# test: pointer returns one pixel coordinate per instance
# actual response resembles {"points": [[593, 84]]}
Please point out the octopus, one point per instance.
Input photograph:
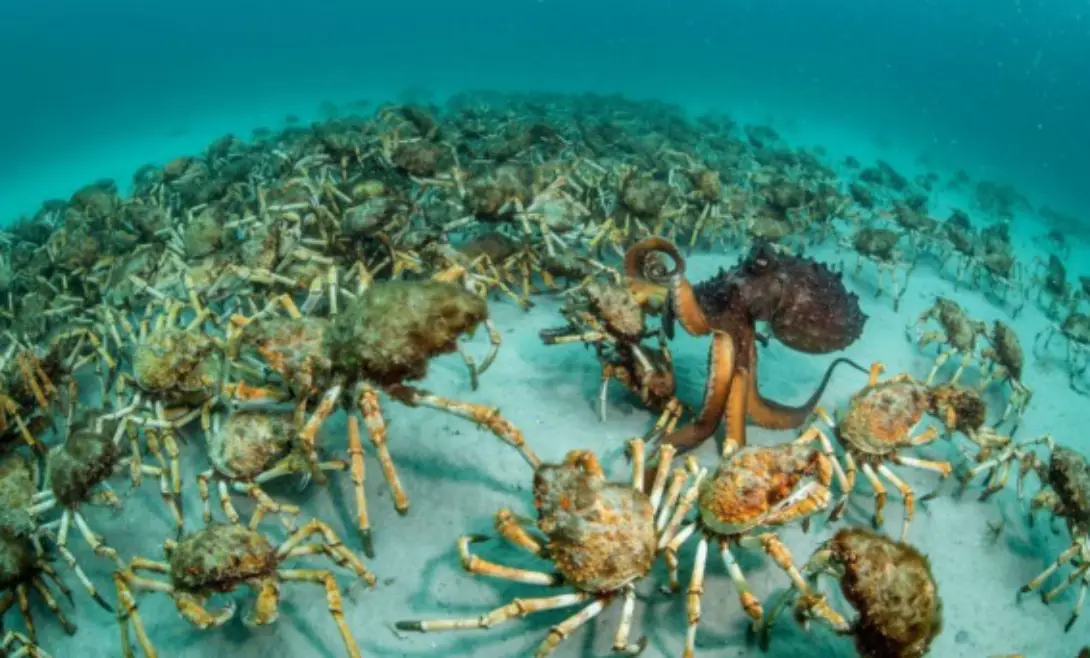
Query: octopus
{"points": [[804, 303]]}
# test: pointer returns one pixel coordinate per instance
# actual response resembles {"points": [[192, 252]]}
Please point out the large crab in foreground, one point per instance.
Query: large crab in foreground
{"points": [[805, 305], [601, 536], [880, 422], [889, 584], [223, 556], [752, 492], [383, 339]]}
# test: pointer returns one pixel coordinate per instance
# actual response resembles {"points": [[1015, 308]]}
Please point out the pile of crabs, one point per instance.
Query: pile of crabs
{"points": [[237, 300]]}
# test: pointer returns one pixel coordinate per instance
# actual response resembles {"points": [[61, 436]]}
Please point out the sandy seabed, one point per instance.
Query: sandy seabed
{"points": [[457, 477]]}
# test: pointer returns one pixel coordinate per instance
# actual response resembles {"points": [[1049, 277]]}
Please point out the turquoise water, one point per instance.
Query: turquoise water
{"points": [[997, 88], [997, 91]]}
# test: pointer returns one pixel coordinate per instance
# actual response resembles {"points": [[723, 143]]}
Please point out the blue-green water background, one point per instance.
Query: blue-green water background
{"points": [[999, 87]]}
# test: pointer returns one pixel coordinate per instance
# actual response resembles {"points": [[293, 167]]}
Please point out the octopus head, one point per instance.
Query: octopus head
{"points": [[805, 303]]}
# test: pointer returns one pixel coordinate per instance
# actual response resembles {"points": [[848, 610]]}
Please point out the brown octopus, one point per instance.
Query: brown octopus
{"points": [[804, 303]]}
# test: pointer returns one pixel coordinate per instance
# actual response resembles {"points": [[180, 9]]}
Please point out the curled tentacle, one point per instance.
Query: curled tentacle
{"points": [[684, 306]]}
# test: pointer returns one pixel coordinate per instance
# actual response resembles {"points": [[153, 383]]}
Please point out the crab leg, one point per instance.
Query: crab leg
{"points": [[749, 602], [511, 528], [358, 471], [513, 610], [308, 436], [76, 569], [670, 555], [128, 614], [51, 603], [907, 494], [478, 566], [561, 631], [376, 426], [487, 417], [879, 493], [334, 600], [621, 639]]}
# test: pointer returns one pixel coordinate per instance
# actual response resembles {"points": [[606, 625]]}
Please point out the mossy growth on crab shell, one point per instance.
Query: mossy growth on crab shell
{"points": [[174, 360], [17, 489], [85, 459], [16, 482], [17, 559], [217, 558], [251, 440], [617, 308], [392, 330], [891, 586], [601, 534], [1069, 475]]}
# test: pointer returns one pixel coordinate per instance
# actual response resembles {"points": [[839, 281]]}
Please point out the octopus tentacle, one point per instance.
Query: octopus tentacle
{"points": [[770, 414], [741, 391], [683, 301], [721, 362]]}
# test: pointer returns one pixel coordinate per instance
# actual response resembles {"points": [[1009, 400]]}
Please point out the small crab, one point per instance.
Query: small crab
{"points": [[958, 331], [610, 318], [77, 471], [881, 421], [601, 536], [22, 558], [890, 585], [1066, 495], [1076, 329], [879, 246], [1053, 283], [222, 557], [173, 364], [253, 446], [753, 491], [1003, 362], [998, 454]]}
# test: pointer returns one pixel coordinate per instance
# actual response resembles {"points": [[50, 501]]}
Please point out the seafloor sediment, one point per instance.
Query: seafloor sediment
{"points": [[552, 190]]}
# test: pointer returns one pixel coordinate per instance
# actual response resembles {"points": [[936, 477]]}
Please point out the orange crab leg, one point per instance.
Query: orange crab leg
{"points": [[721, 362]]}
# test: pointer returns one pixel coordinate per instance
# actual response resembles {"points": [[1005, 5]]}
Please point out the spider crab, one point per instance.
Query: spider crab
{"points": [[612, 318], [601, 536], [805, 304], [1066, 494], [382, 340], [889, 584], [880, 422], [223, 556], [753, 491]]}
